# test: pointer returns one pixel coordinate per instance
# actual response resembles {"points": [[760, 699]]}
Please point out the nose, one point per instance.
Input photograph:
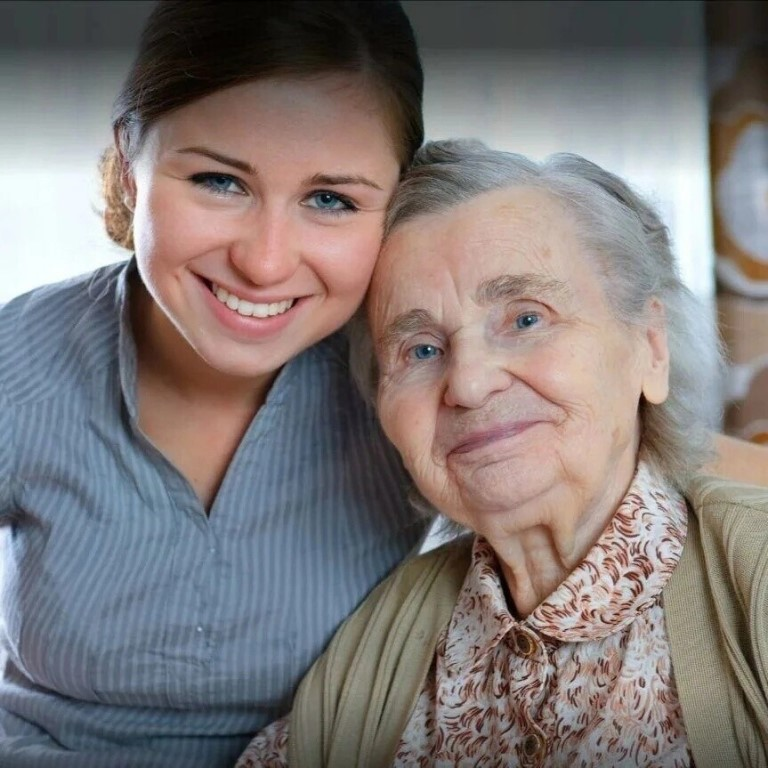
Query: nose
{"points": [[267, 250], [474, 373]]}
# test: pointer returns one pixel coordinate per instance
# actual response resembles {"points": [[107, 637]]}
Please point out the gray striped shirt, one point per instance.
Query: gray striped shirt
{"points": [[136, 630]]}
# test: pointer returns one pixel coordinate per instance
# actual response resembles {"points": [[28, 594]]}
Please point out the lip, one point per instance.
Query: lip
{"points": [[245, 295], [477, 440], [250, 328]]}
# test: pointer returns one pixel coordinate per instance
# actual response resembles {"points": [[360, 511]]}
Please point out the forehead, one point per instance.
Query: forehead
{"points": [[327, 113], [520, 231]]}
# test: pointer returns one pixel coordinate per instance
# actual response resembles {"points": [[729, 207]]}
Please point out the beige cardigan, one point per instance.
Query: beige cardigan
{"points": [[352, 707]]}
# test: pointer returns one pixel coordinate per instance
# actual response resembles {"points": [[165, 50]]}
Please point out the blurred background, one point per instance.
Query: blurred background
{"points": [[670, 94]]}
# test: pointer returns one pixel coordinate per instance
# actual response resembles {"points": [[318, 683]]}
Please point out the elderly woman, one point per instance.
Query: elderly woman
{"points": [[549, 383]]}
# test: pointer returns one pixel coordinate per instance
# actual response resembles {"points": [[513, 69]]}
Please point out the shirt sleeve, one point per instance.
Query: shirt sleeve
{"points": [[268, 749]]}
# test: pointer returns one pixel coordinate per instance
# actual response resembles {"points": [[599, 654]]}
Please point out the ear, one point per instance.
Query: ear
{"points": [[655, 383], [126, 174]]}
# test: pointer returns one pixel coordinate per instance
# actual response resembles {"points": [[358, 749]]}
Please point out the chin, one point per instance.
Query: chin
{"points": [[494, 506], [249, 365], [505, 484]]}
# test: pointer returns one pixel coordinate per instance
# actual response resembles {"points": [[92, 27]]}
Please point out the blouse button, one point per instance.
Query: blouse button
{"points": [[524, 645], [534, 747]]}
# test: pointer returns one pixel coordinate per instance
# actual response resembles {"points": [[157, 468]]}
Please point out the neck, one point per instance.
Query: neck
{"points": [[532, 568], [166, 361], [536, 559]]}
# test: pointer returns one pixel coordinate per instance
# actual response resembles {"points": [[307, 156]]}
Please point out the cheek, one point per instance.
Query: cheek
{"points": [[390, 414], [561, 375], [145, 228], [166, 231], [582, 373], [345, 260], [600, 388], [408, 423]]}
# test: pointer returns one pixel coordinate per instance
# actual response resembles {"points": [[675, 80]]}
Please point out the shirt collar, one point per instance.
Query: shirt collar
{"points": [[620, 577], [481, 618]]}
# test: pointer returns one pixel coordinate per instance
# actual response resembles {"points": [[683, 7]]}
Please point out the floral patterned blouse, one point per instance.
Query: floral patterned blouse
{"points": [[585, 680]]}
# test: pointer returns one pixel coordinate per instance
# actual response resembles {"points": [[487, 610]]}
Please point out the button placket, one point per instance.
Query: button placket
{"points": [[527, 646]]}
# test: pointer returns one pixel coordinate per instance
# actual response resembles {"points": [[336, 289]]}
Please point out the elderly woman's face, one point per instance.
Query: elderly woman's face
{"points": [[506, 380]]}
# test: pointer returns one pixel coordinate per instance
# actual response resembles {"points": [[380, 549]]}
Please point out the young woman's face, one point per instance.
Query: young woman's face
{"points": [[259, 214]]}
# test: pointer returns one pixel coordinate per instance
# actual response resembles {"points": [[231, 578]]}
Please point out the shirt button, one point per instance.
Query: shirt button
{"points": [[198, 629], [525, 645], [534, 748]]}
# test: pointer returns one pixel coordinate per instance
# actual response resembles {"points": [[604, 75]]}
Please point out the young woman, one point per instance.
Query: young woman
{"points": [[192, 493]]}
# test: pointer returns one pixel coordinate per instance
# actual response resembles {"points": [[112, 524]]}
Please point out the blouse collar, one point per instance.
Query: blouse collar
{"points": [[621, 576]]}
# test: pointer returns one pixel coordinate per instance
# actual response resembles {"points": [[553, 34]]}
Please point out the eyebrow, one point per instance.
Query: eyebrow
{"points": [[318, 179], [403, 325], [233, 162], [511, 287], [332, 181]]}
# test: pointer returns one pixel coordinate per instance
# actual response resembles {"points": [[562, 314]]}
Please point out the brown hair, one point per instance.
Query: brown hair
{"points": [[192, 48]]}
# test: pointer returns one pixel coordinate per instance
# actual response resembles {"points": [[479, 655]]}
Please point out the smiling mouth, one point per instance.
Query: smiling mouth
{"points": [[481, 439], [250, 308]]}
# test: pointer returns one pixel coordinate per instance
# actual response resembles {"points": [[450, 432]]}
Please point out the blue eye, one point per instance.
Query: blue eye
{"points": [[218, 183], [330, 201], [424, 352], [527, 320]]}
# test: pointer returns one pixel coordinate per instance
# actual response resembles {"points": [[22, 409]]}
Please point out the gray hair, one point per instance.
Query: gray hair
{"points": [[632, 250]]}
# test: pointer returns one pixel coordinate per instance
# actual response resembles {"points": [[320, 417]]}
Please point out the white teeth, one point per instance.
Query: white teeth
{"points": [[249, 308]]}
